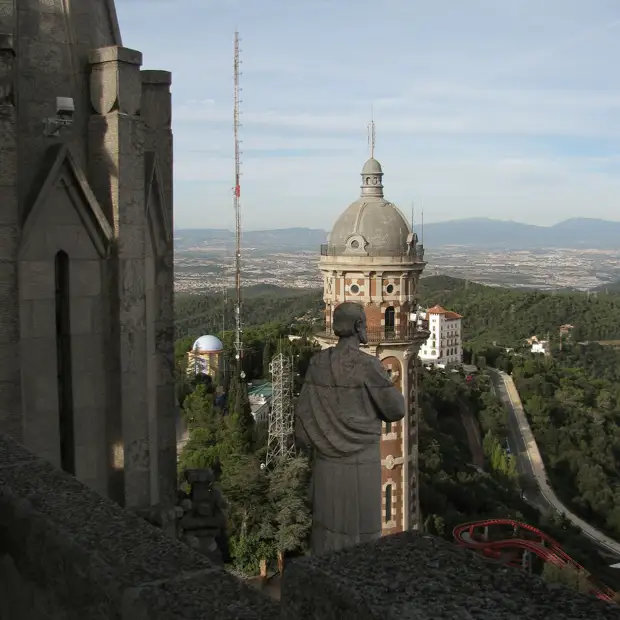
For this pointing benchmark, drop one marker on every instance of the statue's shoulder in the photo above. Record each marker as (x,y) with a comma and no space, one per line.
(319,357)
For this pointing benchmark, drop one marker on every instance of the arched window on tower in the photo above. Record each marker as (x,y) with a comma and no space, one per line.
(388,503)
(389,321)
(64,365)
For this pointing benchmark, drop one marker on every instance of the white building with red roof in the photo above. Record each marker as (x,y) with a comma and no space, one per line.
(444,346)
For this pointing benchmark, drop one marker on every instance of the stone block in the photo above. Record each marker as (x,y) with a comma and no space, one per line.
(86,278)
(198,597)
(156,106)
(70,553)
(11,422)
(205,509)
(194,476)
(37,279)
(38,318)
(115,79)
(194,523)
(13,453)
(412,576)
(131,242)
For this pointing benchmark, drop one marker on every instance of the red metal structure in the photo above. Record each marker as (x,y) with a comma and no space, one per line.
(511,542)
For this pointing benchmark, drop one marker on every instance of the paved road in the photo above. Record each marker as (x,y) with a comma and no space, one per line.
(530,464)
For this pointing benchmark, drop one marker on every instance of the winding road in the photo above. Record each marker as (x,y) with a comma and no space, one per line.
(530,463)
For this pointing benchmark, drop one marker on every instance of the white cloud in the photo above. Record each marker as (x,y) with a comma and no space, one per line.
(487,108)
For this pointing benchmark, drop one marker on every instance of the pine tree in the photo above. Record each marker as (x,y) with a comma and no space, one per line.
(289,519)
(239,422)
(204,425)
(266,359)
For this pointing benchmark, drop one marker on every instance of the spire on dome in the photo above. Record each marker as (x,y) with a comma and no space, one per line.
(372,173)
(371,134)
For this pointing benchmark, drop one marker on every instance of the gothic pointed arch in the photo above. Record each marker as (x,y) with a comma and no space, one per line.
(157,218)
(66,174)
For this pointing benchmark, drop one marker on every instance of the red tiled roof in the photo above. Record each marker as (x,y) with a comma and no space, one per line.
(447,313)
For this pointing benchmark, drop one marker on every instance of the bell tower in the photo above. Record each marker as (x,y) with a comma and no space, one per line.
(372,257)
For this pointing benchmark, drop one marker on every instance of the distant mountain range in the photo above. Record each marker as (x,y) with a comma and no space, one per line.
(475,232)
(487,233)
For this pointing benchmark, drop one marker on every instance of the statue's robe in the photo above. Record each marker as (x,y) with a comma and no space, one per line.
(345,397)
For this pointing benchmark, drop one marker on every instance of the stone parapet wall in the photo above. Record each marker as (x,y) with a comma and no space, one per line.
(409,576)
(66,552)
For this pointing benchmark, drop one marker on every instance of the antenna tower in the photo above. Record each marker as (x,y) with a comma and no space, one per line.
(280,444)
(237,206)
(371,134)
(422,228)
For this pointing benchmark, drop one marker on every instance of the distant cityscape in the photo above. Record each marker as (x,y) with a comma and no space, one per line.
(209,267)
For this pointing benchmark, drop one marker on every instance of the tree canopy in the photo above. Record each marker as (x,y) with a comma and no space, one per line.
(573,403)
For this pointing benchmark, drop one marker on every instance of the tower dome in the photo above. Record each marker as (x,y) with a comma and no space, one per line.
(371,225)
(208,344)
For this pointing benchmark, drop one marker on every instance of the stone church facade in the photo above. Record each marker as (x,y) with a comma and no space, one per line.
(86,265)
(373,258)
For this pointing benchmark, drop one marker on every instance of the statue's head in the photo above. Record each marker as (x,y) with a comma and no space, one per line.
(350,320)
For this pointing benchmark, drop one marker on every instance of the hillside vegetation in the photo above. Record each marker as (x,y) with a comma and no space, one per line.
(508,316)
(491,313)
(211,314)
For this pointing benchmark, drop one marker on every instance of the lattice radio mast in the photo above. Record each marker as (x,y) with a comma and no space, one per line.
(237,206)
(280,442)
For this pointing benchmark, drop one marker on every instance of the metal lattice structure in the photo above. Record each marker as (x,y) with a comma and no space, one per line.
(237,207)
(280,443)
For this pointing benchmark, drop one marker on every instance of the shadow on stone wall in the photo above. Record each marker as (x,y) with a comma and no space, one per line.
(67,553)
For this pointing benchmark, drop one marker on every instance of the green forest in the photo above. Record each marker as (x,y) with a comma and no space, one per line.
(573,403)
(492,314)
(571,398)
(507,316)
(453,491)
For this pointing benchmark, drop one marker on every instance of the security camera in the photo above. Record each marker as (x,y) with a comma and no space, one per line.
(65,108)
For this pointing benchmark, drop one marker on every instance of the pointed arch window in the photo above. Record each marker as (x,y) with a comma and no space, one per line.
(64,364)
(388,503)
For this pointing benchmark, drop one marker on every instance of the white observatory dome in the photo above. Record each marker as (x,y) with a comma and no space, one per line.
(208,344)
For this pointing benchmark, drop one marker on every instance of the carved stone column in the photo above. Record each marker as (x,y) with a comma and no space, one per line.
(156,111)
(116,136)
(10,375)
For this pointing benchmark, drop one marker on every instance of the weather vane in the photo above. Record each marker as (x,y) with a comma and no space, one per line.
(371,134)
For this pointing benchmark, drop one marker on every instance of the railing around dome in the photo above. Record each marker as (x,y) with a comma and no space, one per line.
(401,333)
(327,249)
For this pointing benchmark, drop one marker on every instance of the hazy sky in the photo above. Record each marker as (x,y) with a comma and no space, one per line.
(483,108)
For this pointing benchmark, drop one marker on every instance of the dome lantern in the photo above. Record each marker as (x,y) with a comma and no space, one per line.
(372,179)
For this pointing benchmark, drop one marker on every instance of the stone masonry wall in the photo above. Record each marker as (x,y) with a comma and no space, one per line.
(66,553)
(409,576)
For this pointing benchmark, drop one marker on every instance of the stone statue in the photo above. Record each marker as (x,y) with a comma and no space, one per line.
(346,395)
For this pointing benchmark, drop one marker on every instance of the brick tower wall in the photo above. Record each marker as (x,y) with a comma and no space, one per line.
(392,459)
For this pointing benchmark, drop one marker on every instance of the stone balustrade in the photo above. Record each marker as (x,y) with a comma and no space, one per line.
(67,553)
